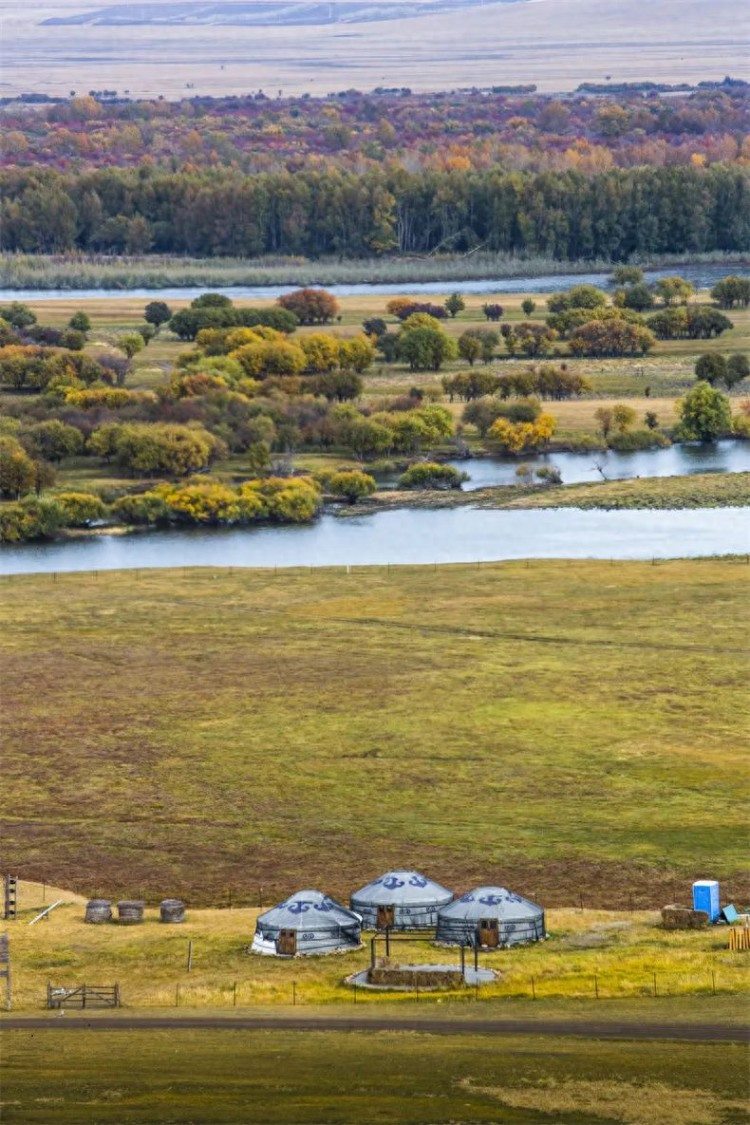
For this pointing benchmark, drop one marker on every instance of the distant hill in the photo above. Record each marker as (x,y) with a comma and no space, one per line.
(261,13)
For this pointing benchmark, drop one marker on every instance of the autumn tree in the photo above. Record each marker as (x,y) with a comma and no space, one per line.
(455,304)
(310,306)
(705,413)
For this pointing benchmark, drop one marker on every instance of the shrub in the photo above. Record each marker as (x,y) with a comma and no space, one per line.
(528,306)
(80,322)
(611,338)
(375,326)
(356,353)
(633,441)
(454,304)
(712,367)
(310,306)
(131,343)
(727,293)
(579,297)
(80,509)
(141,508)
(351,484)
(493,312)
(321,352)
(29,519)
(157,448)
(17,314)
(157,313)
(738,368)
(53,440)
(17,471)
(705,414)
(425,348)
(522,437)
(431,475)
(270,357)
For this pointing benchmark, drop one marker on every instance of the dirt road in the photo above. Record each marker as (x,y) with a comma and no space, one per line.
(589,1029)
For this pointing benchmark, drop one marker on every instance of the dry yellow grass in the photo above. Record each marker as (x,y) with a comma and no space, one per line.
(590,953)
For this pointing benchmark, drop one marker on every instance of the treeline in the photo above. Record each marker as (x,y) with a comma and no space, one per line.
(564,215)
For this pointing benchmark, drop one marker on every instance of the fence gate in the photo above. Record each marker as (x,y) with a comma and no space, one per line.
(84,996)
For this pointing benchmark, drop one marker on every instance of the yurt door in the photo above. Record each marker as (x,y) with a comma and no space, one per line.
(286,943)
(488,933)
(386,916)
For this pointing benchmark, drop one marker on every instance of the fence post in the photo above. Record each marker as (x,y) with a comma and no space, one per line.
(655,992)
(596,986)
(190,955)
(234,995)
(533,989)
(177,996)
(294,992)
(713,982)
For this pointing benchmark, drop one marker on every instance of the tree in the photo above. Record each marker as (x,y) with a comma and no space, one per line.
(674,290)
(737,369)
(431,475)
(711,367)
(727,293)
(579,297)
(705,413)
(469,347)
(351,484)
(356,353)
(627,275)
(454,304)
(211,301)
(310,306)
(425,348)
(522,437)
(17,314)
(651,420)
(493,312)
(53,440)
(321,352)
(611,337)
(623,416)
(131,343)
(528,306)
(17,473)
(157,448)
(157,313)
(605,417)
(638,297)
(80,322)
(374,326)
(80,509)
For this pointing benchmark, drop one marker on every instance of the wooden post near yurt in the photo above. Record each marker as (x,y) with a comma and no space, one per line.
(5,969)
(10,897)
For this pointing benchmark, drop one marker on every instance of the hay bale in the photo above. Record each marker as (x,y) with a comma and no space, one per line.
(171,910)
(98,910)
(683,918)
(130,912)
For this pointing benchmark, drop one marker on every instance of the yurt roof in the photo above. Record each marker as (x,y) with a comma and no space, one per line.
(402,886)
(491,902)
(308,908)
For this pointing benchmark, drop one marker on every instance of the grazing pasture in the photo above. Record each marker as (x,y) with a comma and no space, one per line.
(563,728)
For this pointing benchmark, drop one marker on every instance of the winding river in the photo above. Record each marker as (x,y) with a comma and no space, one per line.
(701,276)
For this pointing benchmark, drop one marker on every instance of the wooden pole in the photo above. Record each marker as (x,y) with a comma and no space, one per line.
(190,955)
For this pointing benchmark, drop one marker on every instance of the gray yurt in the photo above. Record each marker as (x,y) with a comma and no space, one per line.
(308,922)
(400,900)
(490,917)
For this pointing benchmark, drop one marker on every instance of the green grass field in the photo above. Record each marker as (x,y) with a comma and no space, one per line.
(340,1077)
(559,727)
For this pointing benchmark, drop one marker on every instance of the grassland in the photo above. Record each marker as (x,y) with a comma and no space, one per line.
(339,1077)
(562,728)
(651,384)
(617,957)
(507,43)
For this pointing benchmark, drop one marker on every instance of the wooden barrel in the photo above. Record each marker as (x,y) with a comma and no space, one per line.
(172,910)
(130,912)
(98,910)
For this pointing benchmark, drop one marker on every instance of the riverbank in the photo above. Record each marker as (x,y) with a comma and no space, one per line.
(152,272)
(709,490)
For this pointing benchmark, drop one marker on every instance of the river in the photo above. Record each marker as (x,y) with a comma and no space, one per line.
(702,276)
(575,468)
(406,536)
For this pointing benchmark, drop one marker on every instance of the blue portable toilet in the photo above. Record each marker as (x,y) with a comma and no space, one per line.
(706,897)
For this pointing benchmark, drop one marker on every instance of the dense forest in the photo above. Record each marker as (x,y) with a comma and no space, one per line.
(449,131)
(564,215)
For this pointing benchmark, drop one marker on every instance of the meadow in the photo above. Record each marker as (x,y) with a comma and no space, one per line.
(340,1077)
(567,729)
